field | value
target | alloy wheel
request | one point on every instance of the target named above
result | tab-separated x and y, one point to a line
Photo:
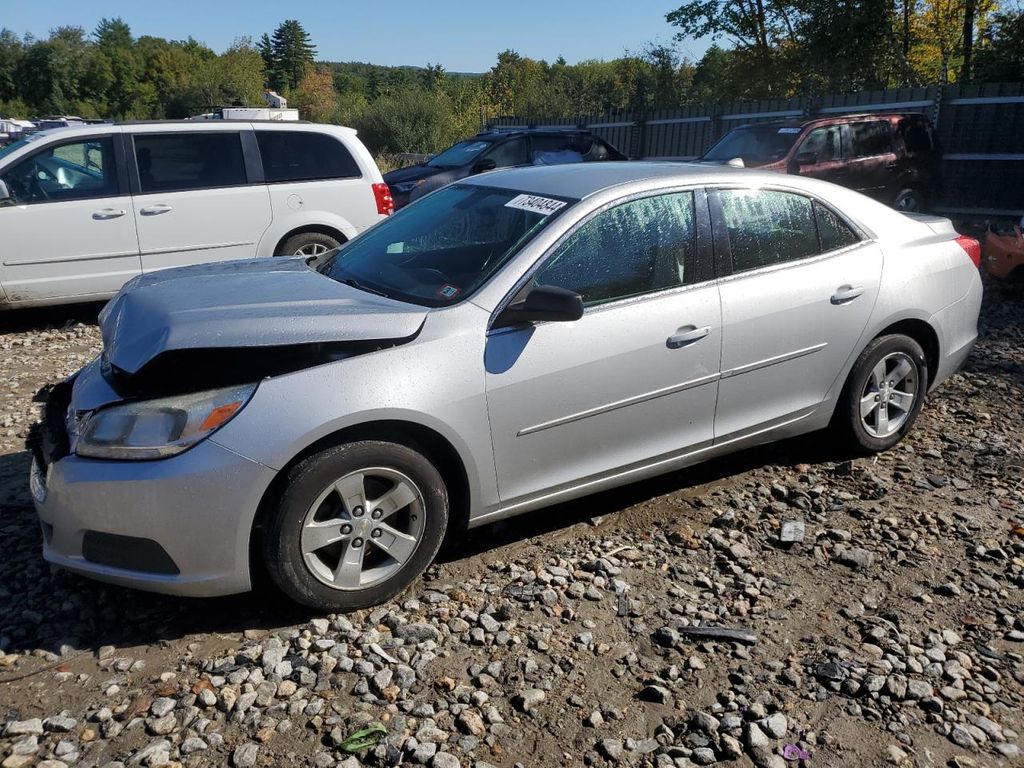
363	528
312	249
889	394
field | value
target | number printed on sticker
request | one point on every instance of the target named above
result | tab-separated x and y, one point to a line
542	205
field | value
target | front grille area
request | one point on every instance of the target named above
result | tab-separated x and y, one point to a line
129	553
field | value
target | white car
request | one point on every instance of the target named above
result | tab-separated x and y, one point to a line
84	209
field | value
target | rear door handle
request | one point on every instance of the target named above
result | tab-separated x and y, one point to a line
108	213
846	293
688	334
155	210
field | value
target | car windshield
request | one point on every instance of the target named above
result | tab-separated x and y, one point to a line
462	153
755	145
445	246
4	151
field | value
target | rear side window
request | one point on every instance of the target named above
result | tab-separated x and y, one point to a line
870	139
304	156
916	136
512	152
635	248
178	161
832	231
766	227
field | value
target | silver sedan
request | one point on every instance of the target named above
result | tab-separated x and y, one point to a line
506	343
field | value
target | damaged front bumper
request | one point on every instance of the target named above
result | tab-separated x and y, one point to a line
180	525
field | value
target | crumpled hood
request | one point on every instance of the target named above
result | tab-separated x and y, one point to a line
251	303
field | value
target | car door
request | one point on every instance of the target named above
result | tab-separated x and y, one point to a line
67	229
820	156
802	289
196	198
870	158
632	381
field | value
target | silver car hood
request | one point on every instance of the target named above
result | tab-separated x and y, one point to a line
251	303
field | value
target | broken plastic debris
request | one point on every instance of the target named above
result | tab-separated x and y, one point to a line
793	753
720	633
364	739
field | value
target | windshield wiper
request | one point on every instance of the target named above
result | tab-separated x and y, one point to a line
353	283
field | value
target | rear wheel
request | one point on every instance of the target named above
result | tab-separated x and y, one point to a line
909	201
355	525
308	244
884	394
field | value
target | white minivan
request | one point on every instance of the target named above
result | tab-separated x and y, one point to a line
84	209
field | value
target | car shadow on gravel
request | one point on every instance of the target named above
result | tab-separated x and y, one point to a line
44	608
41	318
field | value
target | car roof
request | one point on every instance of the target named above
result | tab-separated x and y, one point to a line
803	122
581	180
92	129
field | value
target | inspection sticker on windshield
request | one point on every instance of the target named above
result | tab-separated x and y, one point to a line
447	291
542	205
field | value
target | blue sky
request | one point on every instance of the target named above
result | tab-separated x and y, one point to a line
462	35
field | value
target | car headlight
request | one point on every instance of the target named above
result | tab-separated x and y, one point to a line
156	429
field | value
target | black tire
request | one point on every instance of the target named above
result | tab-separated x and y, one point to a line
295	244
909	201
848	423
307	480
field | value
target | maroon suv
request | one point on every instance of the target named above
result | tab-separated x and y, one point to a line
894	158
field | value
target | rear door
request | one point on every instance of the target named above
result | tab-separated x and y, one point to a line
870	158
68	231
199	197
802	289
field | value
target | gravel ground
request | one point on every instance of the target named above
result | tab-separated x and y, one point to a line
878	603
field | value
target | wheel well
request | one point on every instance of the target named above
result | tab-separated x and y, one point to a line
423	439
924	335
320	229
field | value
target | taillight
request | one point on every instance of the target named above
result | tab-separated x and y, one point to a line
971	247
385	203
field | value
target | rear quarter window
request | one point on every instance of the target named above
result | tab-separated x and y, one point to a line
833	231
304	156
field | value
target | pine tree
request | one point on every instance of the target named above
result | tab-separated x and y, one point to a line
290	51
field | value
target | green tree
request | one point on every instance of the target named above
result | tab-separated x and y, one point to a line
12	51
290	51
1001	55
315	97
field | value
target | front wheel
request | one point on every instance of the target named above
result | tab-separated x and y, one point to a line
909	201
355	525
884	394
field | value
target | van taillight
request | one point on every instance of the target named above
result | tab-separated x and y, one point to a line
385	203
971	247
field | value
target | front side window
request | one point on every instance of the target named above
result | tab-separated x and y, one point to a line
766	227
178	161
509	153
76	170
445	247
304	156
638	247
870	139
823	144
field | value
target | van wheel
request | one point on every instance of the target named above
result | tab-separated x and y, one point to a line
909	201
883	394
308	244
355	525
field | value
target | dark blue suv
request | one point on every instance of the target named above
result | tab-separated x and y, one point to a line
497	149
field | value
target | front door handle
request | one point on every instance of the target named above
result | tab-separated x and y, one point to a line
688	334
108	213
155	210
846	293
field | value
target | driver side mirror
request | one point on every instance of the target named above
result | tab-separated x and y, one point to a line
544	303
5	193
804	158
487	164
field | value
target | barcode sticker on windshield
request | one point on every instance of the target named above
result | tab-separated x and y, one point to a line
545	206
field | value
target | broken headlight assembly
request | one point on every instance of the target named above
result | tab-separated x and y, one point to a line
156	429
